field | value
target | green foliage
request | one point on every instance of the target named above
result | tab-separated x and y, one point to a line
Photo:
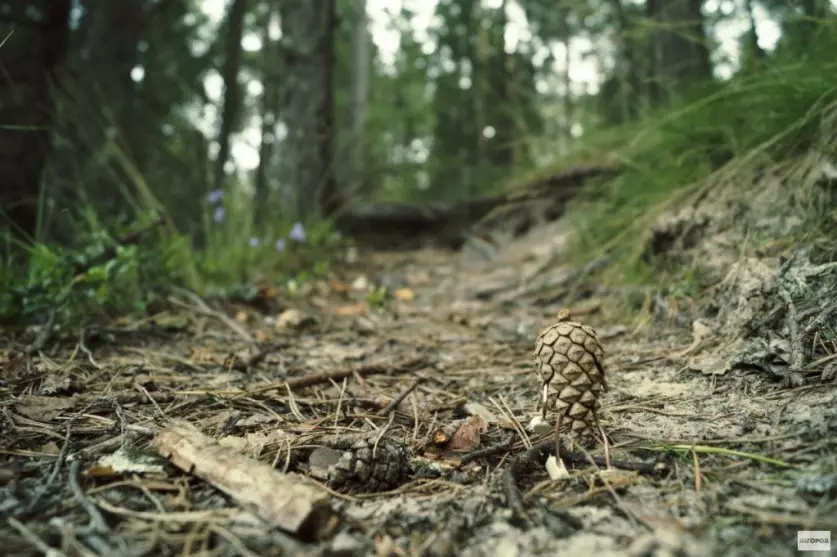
463	116
771	114
96	275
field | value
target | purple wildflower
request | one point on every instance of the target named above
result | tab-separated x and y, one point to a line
218	214
254	242
280	245
215	196
297	232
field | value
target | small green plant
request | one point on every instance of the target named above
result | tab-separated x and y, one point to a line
376	296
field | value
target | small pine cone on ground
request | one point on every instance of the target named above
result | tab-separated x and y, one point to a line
570	365
361	465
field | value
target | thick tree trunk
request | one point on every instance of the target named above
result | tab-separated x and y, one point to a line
307	151
232	89
33	51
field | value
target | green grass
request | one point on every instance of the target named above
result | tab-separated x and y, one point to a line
754	119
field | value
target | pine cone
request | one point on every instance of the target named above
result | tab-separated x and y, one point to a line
570	365
351	466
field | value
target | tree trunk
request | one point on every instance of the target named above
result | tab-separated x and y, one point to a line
307	151
232	89
566	38
680	53
360	92
628	71
270	113
33	51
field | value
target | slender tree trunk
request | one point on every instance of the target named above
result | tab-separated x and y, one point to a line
35	47
680	53
566	38
232	89
629	71
360	92
270	113
307	151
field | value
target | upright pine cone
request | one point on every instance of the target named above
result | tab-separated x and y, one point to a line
570	365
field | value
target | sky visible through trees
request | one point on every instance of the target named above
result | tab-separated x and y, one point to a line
583	69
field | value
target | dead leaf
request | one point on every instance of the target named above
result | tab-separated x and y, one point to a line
200	355
360	284
467	437
289	319
404	294
241	316
125	461
268	292
350	310
43	407
50	448
294	319
710	365
339	287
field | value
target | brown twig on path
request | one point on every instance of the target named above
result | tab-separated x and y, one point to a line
393	404
503	445
98	525
408	365
295	506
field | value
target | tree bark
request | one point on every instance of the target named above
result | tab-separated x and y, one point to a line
34	50
628	72
307	151
270	114
679	52
360	93
232	89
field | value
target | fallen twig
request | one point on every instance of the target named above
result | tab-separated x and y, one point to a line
287	502
793	377
393	404
97	521
30	536
411	364
500	447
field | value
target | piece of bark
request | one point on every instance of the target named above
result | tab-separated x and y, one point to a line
284	500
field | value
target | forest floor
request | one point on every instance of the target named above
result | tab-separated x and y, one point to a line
379	407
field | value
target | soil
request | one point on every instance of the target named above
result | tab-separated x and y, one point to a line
740	458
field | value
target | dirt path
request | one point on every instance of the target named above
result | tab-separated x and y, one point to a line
751	462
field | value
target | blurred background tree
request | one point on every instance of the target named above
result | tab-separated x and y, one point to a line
292	110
